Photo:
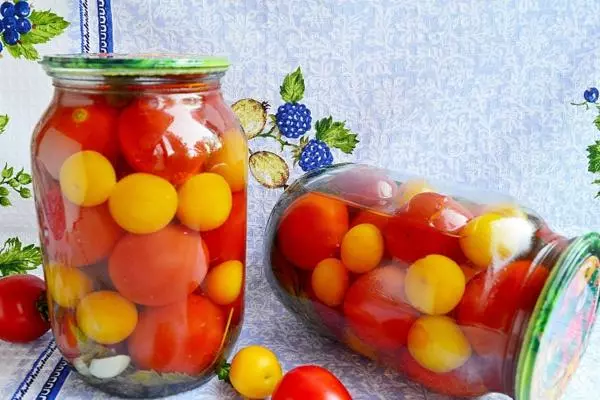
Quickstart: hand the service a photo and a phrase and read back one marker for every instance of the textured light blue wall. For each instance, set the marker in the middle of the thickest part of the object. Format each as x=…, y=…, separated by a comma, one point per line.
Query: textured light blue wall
x=473, y=91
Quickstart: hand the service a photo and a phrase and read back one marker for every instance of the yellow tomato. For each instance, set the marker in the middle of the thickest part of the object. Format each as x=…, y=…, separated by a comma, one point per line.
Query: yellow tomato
x=231, y=161
x=106, y=317
x=225, y=281
x=493, y=238
x=142, y=203
x=66, y=285
x=362, y=248
x=434, y=284
x=438, y=344
x=255, y=372
x=87, y=178
x=205, y=202
x=329, y=281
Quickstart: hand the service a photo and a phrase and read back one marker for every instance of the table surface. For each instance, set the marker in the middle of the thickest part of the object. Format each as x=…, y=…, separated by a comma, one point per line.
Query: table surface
x=35, y=371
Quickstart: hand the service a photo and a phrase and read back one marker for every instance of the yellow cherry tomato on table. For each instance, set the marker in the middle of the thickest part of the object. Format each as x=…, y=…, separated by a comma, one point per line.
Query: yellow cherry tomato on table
x=255, y=372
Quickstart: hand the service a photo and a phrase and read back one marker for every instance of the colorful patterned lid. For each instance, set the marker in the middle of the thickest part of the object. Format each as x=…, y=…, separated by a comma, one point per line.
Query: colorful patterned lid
x=133, y=64
x=560, y=326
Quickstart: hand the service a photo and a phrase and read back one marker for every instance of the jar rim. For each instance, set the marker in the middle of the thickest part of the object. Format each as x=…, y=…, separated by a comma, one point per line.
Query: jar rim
x=115, y=64
x=559, y=328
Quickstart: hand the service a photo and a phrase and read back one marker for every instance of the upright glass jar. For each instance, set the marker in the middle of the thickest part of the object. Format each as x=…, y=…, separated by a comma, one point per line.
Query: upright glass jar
x=140, y=172
x=463, y=291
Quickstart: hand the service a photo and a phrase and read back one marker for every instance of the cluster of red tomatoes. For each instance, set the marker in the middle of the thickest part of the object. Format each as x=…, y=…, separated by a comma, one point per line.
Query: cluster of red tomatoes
x=429, y=284
x=141, y=199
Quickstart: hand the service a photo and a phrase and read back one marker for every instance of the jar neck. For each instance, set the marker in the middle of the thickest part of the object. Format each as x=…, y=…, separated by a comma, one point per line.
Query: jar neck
x=164, y=84
x=546, y=257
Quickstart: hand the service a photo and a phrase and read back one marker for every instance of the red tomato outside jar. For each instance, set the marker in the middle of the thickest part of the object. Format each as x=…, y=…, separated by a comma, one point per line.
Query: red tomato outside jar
x=140, y=176
x=463, y=291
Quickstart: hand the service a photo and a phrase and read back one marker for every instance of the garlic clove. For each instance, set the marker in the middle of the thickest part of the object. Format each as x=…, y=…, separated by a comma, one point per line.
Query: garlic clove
x=109, y=367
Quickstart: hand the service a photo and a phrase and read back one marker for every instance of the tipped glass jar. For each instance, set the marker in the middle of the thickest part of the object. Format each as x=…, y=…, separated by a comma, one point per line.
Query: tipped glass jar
x=463, y=291
x=140, y=172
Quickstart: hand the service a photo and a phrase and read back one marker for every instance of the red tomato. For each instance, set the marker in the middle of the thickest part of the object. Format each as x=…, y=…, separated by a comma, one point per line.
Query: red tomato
x=22, y=308
x=310, y=382
x=377, y=310
x=90, y=232
x=466, y=381
x=486, y=341
x=72, y=129
x=183, y=337
x=141, y=265
x=427, y=225
x=409, y=241
x=159, y=135
x=370, y=217
x=438, y=211
x=312, y=229
x=492, y=298
x=228, y=242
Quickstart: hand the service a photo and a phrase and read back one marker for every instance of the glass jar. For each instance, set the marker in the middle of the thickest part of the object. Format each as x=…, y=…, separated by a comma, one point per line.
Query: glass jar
x=463, y=291
x=140, y=174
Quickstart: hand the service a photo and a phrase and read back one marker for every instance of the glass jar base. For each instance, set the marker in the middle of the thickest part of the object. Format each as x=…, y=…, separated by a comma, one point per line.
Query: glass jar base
x=142, y=388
